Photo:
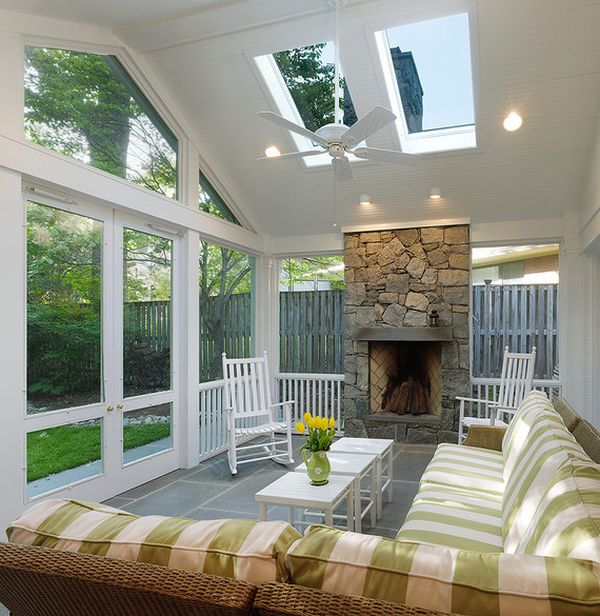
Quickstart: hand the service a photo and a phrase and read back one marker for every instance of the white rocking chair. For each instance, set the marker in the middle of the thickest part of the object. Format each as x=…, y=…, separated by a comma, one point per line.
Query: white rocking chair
x=516, y=382
x=247, y=401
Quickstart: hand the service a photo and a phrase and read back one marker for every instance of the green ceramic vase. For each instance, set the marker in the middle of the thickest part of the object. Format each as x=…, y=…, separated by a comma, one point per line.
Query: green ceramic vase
x=317, y=466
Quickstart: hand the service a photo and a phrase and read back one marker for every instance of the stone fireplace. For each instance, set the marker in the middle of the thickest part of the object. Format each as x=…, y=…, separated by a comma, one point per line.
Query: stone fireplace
x=401, y=374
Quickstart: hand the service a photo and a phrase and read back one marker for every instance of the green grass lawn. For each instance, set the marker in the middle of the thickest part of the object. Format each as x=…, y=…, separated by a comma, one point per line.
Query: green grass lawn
x=59, y=449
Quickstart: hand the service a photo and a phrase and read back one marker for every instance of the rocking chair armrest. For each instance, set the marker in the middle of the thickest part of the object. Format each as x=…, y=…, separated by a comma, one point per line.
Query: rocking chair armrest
x=282, y=403
x=463, y=399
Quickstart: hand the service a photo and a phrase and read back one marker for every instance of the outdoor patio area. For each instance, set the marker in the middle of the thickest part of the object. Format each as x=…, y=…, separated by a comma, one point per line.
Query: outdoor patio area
x=209, y=491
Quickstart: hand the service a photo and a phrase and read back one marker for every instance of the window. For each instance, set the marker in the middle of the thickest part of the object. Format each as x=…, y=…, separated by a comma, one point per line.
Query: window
x=226, y=307
x=211, y=202
x=427, y=70
x=85, y=106
x=311, y=309
x=515, y=304
x=301, y=81
x=64, y=323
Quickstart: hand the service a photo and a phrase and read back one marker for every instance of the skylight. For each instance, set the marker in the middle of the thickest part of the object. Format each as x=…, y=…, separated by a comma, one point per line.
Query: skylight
x=428, y=77
x=301, y=81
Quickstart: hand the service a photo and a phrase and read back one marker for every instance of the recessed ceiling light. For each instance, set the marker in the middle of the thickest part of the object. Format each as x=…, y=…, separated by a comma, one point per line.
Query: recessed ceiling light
x=272, y=152
x=364, y=199
x=435, y=193
x=512, y=121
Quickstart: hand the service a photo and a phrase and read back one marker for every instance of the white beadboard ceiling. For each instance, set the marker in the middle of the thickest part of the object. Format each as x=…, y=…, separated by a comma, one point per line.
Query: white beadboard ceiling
x=541, y=57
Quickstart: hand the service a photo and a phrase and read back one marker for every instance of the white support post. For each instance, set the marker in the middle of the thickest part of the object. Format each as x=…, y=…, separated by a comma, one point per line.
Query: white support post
x=190, y=400
x=13, y=377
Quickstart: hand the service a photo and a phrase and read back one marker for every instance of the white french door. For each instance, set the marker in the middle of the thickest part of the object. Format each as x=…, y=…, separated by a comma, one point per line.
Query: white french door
x=103, y=341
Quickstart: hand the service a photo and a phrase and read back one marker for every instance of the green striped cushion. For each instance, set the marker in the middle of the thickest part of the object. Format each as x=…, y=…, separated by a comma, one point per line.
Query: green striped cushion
x=518, y=429
x=549, y=445
x=241, y=549
x=466, y=467
x=444, y=579
x=463, y=519
x=567, y=520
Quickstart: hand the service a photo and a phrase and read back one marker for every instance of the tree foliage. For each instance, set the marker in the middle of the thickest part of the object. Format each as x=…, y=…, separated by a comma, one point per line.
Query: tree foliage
x=300, y=270
x=82, y=106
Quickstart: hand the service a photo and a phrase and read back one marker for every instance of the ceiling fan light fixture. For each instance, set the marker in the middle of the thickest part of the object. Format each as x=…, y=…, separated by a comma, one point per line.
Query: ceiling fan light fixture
x=364, y=199
x=435, y=193
x=512, y=122
x=272, y=151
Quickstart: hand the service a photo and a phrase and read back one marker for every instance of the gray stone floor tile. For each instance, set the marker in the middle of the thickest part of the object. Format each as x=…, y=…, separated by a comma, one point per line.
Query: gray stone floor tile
x=421, y=448
x=175, y=499
x=118, y=502
x=202, y=513
x=395, y=512
x=241, y=496
x=410, y=466
x=151, y=486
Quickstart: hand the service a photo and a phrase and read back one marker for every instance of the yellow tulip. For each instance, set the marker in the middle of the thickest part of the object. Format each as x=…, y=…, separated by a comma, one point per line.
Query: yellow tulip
x=324, y=423
x=307, y=416
x=332, y=423
x=300, y=427
x=310, y=421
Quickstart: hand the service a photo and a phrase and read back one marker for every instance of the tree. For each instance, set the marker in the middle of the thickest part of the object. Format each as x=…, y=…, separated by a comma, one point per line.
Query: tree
x=82, y=105
x=306, y=269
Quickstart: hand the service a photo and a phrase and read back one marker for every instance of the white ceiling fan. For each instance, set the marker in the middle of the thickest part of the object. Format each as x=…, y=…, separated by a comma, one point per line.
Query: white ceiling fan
x=339, y=140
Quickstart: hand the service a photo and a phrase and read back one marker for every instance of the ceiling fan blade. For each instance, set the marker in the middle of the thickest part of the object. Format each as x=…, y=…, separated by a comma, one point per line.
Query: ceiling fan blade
x=343, y=170
x=296, y=128
x=294, y=155
x=378, y=118
x=385, y=156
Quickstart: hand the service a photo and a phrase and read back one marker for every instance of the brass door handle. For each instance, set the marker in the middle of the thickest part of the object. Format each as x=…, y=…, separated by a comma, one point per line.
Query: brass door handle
x=110, y=409
x=120, y=407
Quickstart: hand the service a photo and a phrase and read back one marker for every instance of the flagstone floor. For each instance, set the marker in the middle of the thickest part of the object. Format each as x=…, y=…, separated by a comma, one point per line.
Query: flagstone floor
x=208, y=491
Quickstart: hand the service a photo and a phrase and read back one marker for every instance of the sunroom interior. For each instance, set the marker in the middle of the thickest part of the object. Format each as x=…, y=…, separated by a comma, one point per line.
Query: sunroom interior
x=156, y=219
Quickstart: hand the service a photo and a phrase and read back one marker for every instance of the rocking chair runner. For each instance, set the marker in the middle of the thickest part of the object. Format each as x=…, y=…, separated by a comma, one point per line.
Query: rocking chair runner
x=516, y=382
x=247, y=401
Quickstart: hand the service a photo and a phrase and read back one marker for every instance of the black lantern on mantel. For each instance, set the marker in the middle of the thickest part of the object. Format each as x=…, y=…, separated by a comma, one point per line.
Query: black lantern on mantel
x=434, y=318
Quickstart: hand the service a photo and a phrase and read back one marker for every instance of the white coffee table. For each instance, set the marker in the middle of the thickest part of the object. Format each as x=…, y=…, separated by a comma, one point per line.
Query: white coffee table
x=295, y=491
x=358, y=467
x=383, y=448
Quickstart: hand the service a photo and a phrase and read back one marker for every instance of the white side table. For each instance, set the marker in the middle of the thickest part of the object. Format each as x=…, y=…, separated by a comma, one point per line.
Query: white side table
x=358, y=467
x=383, y=448
x=295, y=491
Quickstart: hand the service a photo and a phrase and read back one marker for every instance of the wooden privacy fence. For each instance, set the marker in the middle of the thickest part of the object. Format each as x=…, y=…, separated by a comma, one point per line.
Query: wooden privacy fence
x=311, y=331
x=519, y=317
x=148, y=323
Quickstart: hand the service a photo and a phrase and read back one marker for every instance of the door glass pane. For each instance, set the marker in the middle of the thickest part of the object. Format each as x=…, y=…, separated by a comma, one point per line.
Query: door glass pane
x=64, y=292
x=147, y=431
x=57, y=457
x=147, y=322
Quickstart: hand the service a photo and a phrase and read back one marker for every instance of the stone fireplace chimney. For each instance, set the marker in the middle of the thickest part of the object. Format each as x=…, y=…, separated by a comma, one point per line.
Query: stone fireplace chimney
x=402, y=374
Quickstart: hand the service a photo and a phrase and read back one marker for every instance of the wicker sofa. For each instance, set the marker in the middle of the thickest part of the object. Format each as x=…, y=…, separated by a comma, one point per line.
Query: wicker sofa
x=448, y=560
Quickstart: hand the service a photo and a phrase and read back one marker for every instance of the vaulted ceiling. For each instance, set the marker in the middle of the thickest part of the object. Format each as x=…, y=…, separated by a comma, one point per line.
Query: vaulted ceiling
x=541, y=57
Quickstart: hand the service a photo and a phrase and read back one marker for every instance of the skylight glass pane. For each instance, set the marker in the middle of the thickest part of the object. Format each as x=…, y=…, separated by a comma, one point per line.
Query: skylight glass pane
x=86, y=106
x=308, y=73
x=432, y=62
x=211, y=202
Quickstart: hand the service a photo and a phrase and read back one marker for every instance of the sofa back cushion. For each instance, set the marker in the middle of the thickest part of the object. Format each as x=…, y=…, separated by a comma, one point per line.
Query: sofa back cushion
x=548, y=446
x=240, y=549
x=518, y=430
x=443, y=578
x=567, y=520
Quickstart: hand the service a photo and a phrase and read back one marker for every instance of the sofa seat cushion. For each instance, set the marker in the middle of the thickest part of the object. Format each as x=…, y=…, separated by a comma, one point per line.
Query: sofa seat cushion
x=567, y=520
x=240, y=549
x=466, y=467
x=548, y=447
x=463, y=519
x=442, y=578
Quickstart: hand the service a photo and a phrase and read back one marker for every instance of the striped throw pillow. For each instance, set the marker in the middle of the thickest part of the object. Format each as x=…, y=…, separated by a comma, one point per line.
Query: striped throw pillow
x=443, y=578
x=240, y=549
x=567, y=520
